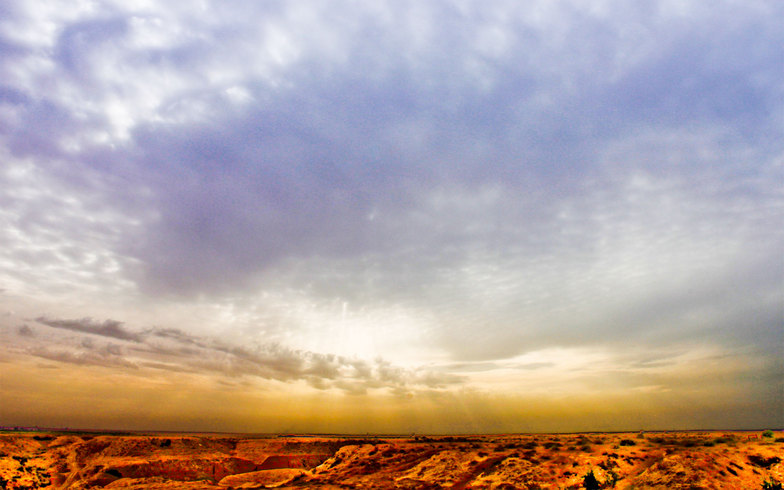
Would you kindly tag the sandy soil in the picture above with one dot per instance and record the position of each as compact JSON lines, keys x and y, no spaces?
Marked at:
{"x":662,"y":460}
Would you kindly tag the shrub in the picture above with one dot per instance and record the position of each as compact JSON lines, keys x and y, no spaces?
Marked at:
{"x":767,"y":433}
{"x":770,"y":485}
{"x":726,"y":438}
{"x":762,"y":461}
{"x":590,"y":482}
{"x":628,"y":442}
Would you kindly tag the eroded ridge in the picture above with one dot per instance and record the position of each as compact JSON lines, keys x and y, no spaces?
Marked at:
{"x":673,"y":460}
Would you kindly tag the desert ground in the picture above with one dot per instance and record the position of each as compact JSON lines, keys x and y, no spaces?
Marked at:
{"x":665,"y":460}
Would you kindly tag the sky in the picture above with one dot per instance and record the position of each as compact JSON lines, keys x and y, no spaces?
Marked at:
{"x":392,"y":216}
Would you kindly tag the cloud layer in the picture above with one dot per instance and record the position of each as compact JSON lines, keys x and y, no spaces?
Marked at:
{"x":173,"y":350}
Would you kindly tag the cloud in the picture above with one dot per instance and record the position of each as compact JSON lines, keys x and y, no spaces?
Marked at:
{"x":107,"y":328}
{"x":175,"y":350}
{"x":87,"y":357}
{"x":288,"y":183}
{"x":25,"y":331}
{"x":336,"y":126}
{"x":272,"y":361}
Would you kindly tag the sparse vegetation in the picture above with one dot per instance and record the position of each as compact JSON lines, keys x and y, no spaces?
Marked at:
{"x":767,"y":433}
{"x":762,"y":461}
{"x":590,"y":482}
{"x":612,"y":479}
{"x":771,"y":485}
{"x":628,"y":442}
{"x":725,"y":439}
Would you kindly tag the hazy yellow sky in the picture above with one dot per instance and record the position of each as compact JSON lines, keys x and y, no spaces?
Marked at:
{"x":105,"y":398}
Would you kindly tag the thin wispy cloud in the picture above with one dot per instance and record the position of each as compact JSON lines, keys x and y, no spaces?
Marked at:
{"x":178,"y":351}
{"x":107,"y":328}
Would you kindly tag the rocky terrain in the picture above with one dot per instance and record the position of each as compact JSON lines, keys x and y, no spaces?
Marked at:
{"x":683,"y":460}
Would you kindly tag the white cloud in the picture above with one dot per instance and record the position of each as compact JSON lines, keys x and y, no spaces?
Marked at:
{"x":59,"y":240}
